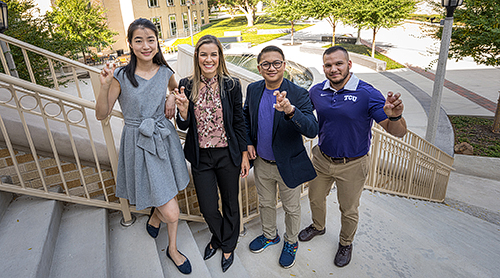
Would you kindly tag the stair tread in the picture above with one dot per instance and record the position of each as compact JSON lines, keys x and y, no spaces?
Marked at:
{"x":28,"y":232}
{"x":187,"y":245}
{"x":132,"y":251}
{"x":82,"y":242}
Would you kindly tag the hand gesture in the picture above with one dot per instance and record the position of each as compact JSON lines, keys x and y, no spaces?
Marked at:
{"x":282,"y":103}
{"x":182,"y":102}
{"x":106,"y":75}
{"x":393,"y":105}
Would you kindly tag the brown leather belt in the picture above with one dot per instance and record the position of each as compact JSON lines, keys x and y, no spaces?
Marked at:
{"x":269,"y":161}
{"x":342,"y":160}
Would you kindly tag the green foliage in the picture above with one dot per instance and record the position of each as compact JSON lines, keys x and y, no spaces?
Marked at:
{"x":331,"y":10}
{"x":248,"y":7}
{"x":289,"y":10}
{"x":477,"y":132}
{"x":376,"y":14}
{"x":82,"y":24}
{"x":479,"y":34}
{"x":248,"y":34}
{"x":25,"y":26}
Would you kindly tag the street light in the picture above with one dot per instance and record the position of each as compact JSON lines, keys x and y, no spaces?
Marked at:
{"x":437,"y":91}
{"x":188,"y":3}
{"x":4,"y":24}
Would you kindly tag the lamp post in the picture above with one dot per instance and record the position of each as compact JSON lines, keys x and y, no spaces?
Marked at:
{"x":188,"y":3}
{"x":4,"y":24}
{"x":437,"y":91}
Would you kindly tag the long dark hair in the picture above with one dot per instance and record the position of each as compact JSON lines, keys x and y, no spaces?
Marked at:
{"x":157,"y":59}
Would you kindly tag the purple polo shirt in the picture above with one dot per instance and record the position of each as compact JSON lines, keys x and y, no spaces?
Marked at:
{"x":345,"y":117}
{"x":265,"y":125}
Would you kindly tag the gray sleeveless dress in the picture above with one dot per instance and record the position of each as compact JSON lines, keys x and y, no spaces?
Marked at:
{"x":151,"y":164}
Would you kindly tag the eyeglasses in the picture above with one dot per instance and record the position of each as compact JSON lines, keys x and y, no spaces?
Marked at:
{"x":276,"y":64}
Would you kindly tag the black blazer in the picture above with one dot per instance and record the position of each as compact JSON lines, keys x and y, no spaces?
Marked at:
{"x":234,"y":123}
{"x":292,"y":160}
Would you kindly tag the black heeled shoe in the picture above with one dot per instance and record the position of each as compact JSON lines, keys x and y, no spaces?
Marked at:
{"x":185,"y":267}
{"x":226,"y":263}
{"x":209,"y":252}
{"x":152,"y":231}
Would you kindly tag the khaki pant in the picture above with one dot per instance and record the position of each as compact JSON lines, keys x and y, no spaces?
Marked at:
{"x":267,"y":181}
{"x":350,"y":179}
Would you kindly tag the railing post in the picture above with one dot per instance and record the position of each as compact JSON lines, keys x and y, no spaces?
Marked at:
{"x":496,"y":124}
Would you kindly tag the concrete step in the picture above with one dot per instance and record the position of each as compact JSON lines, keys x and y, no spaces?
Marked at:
{"x":28,"y":233}
{"x":187,"y":245}
{"x":5,"y":199}
{"x":202,"y":236}
{"x":132,"y":251}
{"x":82,"y":243}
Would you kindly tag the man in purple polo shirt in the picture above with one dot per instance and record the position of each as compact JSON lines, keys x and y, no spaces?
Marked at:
{"x":346,"y":107}
{"x":277,"y":114}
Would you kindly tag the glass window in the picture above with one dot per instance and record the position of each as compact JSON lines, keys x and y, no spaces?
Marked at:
{"x":157,"y":22}
{"x":173,"y":25}
{"x":186,"y":23}
{"x":202,"y":13}
{"x":183,"y":2}
{"x":195,"y":21}
{"x":153,"y":3}
{"x":170,"y":3}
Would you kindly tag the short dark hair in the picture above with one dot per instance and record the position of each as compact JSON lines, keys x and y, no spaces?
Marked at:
{"x":270,"y":48}
{"x":336,"y":48}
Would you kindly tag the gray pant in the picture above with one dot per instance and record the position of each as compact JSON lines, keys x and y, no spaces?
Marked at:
{"x":268,"y":180}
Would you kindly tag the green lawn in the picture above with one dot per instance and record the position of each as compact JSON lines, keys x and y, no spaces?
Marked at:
{"x":248,"y":34}
{"x":364,"y":50}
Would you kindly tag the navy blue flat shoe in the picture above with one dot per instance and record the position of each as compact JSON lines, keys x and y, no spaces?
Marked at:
{"x":152,"y":231}
{"x":184,"y":268}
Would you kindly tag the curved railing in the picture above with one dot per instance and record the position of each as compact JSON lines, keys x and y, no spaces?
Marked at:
{"x":53,"y":147}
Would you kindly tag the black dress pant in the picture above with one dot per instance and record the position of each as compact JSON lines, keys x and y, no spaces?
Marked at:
{"x":217,"y":169}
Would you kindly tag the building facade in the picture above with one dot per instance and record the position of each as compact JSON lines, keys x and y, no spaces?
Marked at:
{"x":172,"y":17}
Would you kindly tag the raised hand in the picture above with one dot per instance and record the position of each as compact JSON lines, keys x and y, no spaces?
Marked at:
{"x":182,"y":102}
{"x":106,"y":75}
{"x":393,"y":105}
{"x":282,"y":103}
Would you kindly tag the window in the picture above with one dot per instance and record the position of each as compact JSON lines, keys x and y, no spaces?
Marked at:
{"x":202,"y":13}
{"x":186,"y":23}
{"x":173,"y":25}
{"x":170,"y":3}
{"x":157,"y":22}
{"x":195,"y":21}
{"x":153,"y":3}
{"x":183,"y":2}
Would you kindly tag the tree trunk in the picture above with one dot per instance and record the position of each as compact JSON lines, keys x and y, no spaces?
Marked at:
{"x":250,"y":17}
{"x":373,"y":42}
{"x":358,"y":39}
{"x":333,"y":23}
{"x":496,"y":123}
{"x":292,"y":31}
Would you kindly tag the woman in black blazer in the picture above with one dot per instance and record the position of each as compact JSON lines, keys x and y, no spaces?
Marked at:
{"x":210,"y":107}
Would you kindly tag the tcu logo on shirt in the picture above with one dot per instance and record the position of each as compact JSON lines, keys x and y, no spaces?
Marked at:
{"x":350,"y":97}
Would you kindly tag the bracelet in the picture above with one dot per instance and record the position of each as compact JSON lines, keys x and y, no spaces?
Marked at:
{"x":395,"y":118}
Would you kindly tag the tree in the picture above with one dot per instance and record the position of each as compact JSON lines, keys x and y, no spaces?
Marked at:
{"x":477,"y":36}
{"x":289,"y":10}
{"x":333,"y":10}
{"x":376,"y":14}
{"x":248,"y":7}
{"x":82,"y":24}
{"x":24,"y":25}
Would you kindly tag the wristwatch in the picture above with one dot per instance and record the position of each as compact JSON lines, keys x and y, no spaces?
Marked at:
{"x":395,"y":118}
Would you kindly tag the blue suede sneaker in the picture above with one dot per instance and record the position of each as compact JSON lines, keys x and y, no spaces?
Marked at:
{"x":287,"y":258}
{"x":261,"y":242}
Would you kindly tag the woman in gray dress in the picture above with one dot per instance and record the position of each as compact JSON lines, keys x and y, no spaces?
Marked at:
{"x":151,"y":166}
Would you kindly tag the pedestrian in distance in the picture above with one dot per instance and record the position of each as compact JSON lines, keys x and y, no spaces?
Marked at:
{"x":209,"y":104}
{"x":151,"y":166}
{"x":346,"y":108}
{"x":278,"y":113}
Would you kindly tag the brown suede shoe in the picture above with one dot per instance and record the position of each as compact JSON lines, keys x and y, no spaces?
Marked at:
{"x":310,"y":232}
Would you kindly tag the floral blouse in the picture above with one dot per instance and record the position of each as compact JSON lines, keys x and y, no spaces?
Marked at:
{"x":209,"y":117}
